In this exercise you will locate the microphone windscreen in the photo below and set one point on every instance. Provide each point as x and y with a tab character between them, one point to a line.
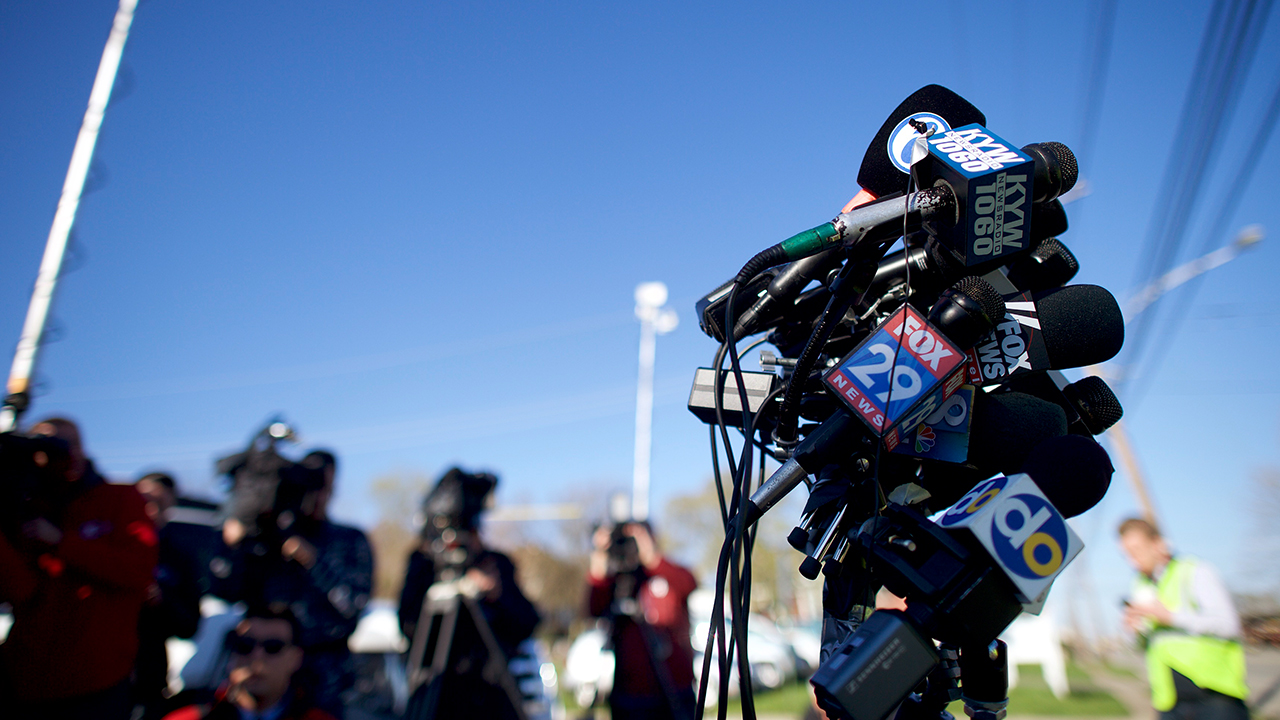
888	158
1098	406
1081	325
1073	471
1006	426
1050	265
1048	220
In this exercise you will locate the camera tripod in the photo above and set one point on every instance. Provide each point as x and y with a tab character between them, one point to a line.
442	609
626	609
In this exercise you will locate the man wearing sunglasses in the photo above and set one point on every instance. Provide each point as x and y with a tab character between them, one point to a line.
264	660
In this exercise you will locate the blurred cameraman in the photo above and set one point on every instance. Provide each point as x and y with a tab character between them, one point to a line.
76	570
172	608
646	599
451	561
322	571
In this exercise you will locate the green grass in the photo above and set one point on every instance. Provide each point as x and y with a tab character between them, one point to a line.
790	699
1123	672
1031	697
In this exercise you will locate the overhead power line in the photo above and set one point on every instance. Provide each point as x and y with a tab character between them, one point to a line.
1227	50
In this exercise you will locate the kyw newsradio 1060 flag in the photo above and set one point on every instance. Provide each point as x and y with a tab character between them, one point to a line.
899	375
991	180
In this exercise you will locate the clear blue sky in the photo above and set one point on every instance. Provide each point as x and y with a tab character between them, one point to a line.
415	228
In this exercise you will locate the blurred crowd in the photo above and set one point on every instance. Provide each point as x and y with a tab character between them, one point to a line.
98	581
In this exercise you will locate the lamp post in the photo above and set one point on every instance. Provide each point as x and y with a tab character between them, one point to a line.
654	320
1247	238
24	360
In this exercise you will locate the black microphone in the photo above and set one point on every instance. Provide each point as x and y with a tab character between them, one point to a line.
1005	428
1056	170
1057	329
1049	265
1097	405
1089	403
965	310
888	158
1073	471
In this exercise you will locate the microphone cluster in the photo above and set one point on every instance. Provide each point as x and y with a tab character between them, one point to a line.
922	382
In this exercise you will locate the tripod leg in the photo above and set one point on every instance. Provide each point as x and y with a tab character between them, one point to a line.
496	655
418	646
669	690
446	613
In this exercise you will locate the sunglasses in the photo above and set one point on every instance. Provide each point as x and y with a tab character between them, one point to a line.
244	645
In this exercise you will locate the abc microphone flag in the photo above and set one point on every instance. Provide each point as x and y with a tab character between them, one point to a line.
1020	529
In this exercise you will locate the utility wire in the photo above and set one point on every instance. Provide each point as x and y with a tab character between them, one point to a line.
1095	84
1243	175
1227	51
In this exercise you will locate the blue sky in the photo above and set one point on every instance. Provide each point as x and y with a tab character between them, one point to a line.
415	228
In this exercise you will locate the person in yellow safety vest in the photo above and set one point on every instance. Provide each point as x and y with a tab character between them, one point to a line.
1183	615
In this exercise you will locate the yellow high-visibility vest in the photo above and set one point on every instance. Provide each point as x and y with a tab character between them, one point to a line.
1212	663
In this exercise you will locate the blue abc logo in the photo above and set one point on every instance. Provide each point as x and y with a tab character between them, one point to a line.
902	136
974	500
1029	535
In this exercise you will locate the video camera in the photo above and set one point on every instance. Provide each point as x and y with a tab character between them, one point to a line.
451	514
623	553
268	491
32	479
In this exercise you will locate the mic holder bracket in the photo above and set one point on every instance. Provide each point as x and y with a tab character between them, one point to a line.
951	592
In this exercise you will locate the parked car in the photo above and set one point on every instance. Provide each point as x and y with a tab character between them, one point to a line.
590	662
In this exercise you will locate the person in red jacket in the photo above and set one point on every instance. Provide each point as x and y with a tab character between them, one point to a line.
646	597
260	683
76	575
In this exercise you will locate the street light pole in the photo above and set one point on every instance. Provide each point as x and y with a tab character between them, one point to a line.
654	320
24	360
1143	299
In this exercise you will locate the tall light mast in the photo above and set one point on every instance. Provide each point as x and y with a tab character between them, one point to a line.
654	320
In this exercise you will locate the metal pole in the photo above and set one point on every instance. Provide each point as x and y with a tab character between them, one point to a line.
1120	440
1247	238
644	423
654	320
24	359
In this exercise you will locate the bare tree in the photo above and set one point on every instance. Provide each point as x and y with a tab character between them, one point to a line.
693	531
398	497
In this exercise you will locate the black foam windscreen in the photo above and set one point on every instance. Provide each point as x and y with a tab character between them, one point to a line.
1006	426
1081	325
879	174
1073	471
1050	265
1098	406
1048	219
